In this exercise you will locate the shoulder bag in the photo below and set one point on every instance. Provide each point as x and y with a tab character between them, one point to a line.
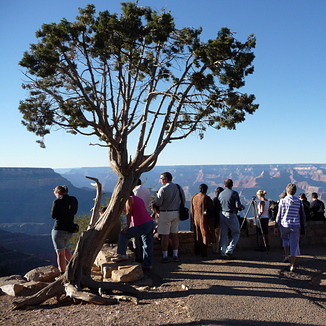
183	211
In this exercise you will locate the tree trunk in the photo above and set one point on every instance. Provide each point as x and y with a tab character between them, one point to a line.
77	275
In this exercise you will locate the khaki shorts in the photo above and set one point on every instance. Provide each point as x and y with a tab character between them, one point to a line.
168	222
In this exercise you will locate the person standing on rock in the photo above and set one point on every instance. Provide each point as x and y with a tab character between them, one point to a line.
139	224
64	208
230	205
290	220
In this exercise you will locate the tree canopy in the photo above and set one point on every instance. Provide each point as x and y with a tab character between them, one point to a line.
134	75
129	77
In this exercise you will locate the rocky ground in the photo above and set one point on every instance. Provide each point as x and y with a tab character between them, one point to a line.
159	305
204	291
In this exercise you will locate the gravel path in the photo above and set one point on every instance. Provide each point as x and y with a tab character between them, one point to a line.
254	289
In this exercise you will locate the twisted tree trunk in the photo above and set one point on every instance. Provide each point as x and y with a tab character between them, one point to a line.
78	272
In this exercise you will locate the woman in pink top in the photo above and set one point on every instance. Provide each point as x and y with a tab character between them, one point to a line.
139	223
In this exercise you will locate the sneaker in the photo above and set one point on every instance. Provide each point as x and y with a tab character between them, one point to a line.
175	259
230	257
286	260
165	260
292	269
119	258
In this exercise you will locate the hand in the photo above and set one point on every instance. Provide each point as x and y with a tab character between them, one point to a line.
125	229
276	231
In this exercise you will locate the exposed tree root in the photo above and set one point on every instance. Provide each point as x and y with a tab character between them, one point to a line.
61	286
54	289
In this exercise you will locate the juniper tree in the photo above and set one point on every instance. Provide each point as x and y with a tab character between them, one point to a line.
132	76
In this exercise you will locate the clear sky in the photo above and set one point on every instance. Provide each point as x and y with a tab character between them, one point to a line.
288	82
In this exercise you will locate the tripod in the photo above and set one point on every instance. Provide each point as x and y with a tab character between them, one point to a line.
253	206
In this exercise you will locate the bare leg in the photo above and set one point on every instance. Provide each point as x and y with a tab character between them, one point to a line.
68	255
175	241
286	251
292	263
165	242
61	260
63	256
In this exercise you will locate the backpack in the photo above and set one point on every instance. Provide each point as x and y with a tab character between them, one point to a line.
273	209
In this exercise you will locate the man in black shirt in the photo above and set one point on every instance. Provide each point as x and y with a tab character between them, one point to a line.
317	208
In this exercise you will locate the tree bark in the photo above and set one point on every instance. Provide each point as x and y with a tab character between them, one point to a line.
77	275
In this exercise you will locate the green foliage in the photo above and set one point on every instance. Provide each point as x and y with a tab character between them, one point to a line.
117	76
83	222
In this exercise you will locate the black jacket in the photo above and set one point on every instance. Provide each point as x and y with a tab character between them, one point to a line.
63	211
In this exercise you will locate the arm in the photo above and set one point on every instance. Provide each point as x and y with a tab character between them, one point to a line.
128	210
278	218
53	210
159	197
261	208
239	206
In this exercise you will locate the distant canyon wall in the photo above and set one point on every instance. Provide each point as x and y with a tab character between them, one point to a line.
27	193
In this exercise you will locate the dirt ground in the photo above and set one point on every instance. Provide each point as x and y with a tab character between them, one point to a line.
182	292
160	304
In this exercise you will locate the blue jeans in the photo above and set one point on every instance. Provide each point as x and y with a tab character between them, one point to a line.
146	232
229	221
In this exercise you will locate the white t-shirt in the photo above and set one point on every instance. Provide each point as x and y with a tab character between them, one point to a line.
266	208
144	194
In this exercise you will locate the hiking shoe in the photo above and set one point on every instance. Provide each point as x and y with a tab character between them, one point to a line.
227	256
286	260
175	259
165	260
119	258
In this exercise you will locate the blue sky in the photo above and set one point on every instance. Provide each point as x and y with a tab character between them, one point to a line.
288	82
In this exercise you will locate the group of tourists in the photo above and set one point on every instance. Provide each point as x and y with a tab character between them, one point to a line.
139	227
214	221
217	221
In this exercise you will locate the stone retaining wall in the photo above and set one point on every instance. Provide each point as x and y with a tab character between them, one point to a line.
315	234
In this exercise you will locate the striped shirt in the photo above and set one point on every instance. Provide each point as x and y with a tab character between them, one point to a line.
288	214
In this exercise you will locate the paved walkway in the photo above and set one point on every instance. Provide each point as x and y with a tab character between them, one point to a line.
255	289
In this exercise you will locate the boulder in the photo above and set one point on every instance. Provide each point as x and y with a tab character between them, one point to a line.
107	269
12	289
127	273
11	279
42	274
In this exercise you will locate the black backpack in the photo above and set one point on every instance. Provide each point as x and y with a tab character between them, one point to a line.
273	209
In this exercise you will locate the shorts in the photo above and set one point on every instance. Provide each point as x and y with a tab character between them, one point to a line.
60	239
168	222
290	238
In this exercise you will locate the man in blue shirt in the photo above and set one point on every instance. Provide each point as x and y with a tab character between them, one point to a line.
230	205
